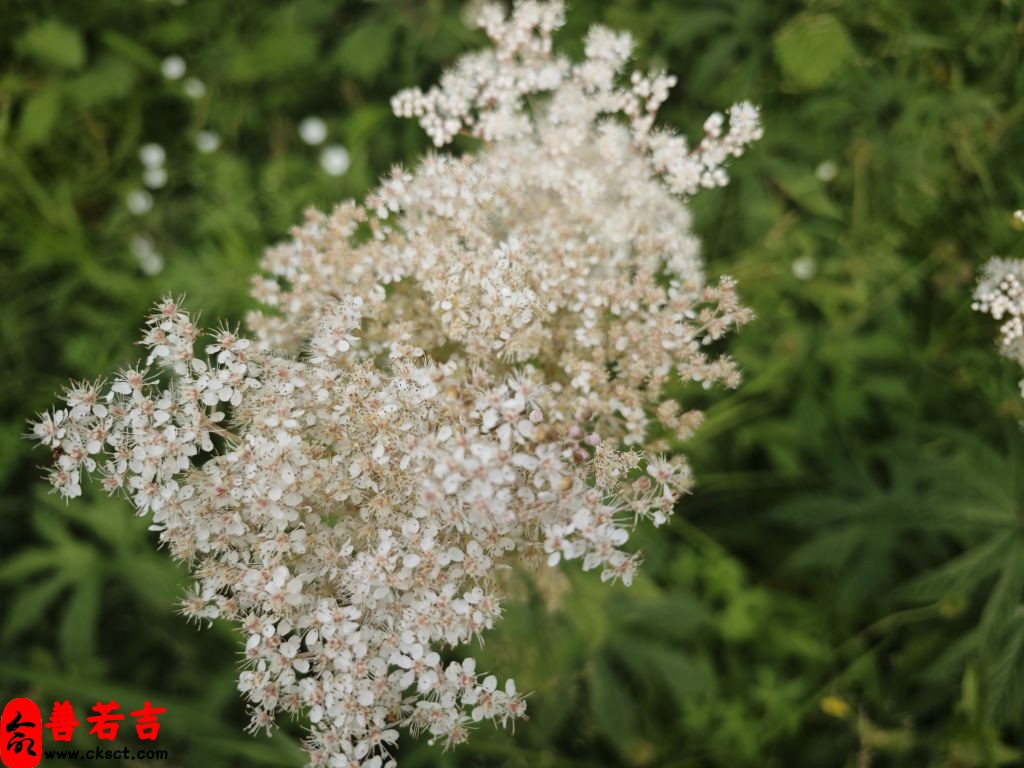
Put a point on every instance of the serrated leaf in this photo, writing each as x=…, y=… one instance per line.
x=1004, y=678
x=1005, y=598
x=963, y=573
x=830, y=549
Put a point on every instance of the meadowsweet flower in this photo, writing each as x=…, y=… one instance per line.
x=458, y=375
x=1000, y=293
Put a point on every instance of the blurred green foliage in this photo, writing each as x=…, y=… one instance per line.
x=845, y=587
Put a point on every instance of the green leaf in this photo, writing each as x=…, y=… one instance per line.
x=276, y=53
x=803, y=188
x=714, y=64
x=811, y=49
x=130, y=49
x=39, y=117
x=611, y=702
x=28, y=606
x=81, y=619
x=365, y=52
x=698, y=23
x=667, y=667
x=964, y=573
x=674, y=615
x=1004, y=681
x=54, y=44
x=109, y=79
x=1004, y=600
x=27, y=562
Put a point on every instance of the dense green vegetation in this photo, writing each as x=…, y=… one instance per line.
x=844, y=588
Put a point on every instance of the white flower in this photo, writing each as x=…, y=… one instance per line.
x=48, y=430
x=826, y=171
x=152, y=155
x=334, y=159
x=1000, y=293
x=804, y=267
x=194, y=88
x=313, y=130
x=139, y=201
x=207, y=141
x=452, y=378
x=173, y=67
x=149, y=259
x=155, y=178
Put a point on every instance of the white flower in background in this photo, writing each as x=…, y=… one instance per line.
x=335, y=160
x=139, y=201
x=826, y=171
x=313, y=131
x=804, y=267
x=194, y=88
x=152, y=155
x=455, y=377
x=173, y=67
x=149, y=259
x=155, y=177
x=154, y=174
x=207, y=141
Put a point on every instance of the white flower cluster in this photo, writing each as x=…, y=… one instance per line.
x=466, y=372
x=486, y=95
x=1000, y=293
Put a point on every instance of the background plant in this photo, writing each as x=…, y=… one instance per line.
x=845, y=584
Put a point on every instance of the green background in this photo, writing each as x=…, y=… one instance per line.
x=844, y=588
